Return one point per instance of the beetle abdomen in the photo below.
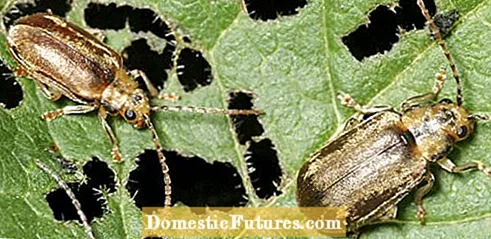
(75, 37)
(57, 62)
(367, 169)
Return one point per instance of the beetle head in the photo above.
(437, 127)
(136, 107)
(454, 120)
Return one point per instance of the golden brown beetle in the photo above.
(375, 162)
(64, 59)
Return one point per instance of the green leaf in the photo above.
(295, 65)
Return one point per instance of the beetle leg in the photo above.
(388, 215)
(19, 71)
(430, 179)
(355, 233)
(114, 141)
(68, 110)
(449, 166)
(391, 214)
(347, 100)
(48, 93)
(154, 92)
(352, 122)
(440, 78)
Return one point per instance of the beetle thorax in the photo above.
(124, 97)
(116, 94)
(437, 127)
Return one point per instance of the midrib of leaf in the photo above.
(398, 75)
(328, 67)
(253, 199)
(122, 211)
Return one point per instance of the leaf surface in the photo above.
(295, 65)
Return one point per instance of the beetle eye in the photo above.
(130, 115)
(462, 131)
(446, 101)
(137, 98)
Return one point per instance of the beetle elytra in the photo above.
(65, 60)
(383, 154)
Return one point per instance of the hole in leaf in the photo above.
(195, 182)
(186, 39)
(10, 89)
(99, 175)
(193, 69)
(17, 11)
(264, 168)
(105, 17)
(147, 20)
(141, 19)
(111, 16)
(271, 9)
(261, 157)
(376, 37)
(384, 26)
(92, 202)
(140, 56)
(146, 184)
(57, 7)
(246, 126)
(211, 184)
(409, 16)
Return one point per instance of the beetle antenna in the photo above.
(162, 159)
(439, 38)
(71, 195)
(476, 117)
(203, 110)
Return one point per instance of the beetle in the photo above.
(65, 60)
(384, 154)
